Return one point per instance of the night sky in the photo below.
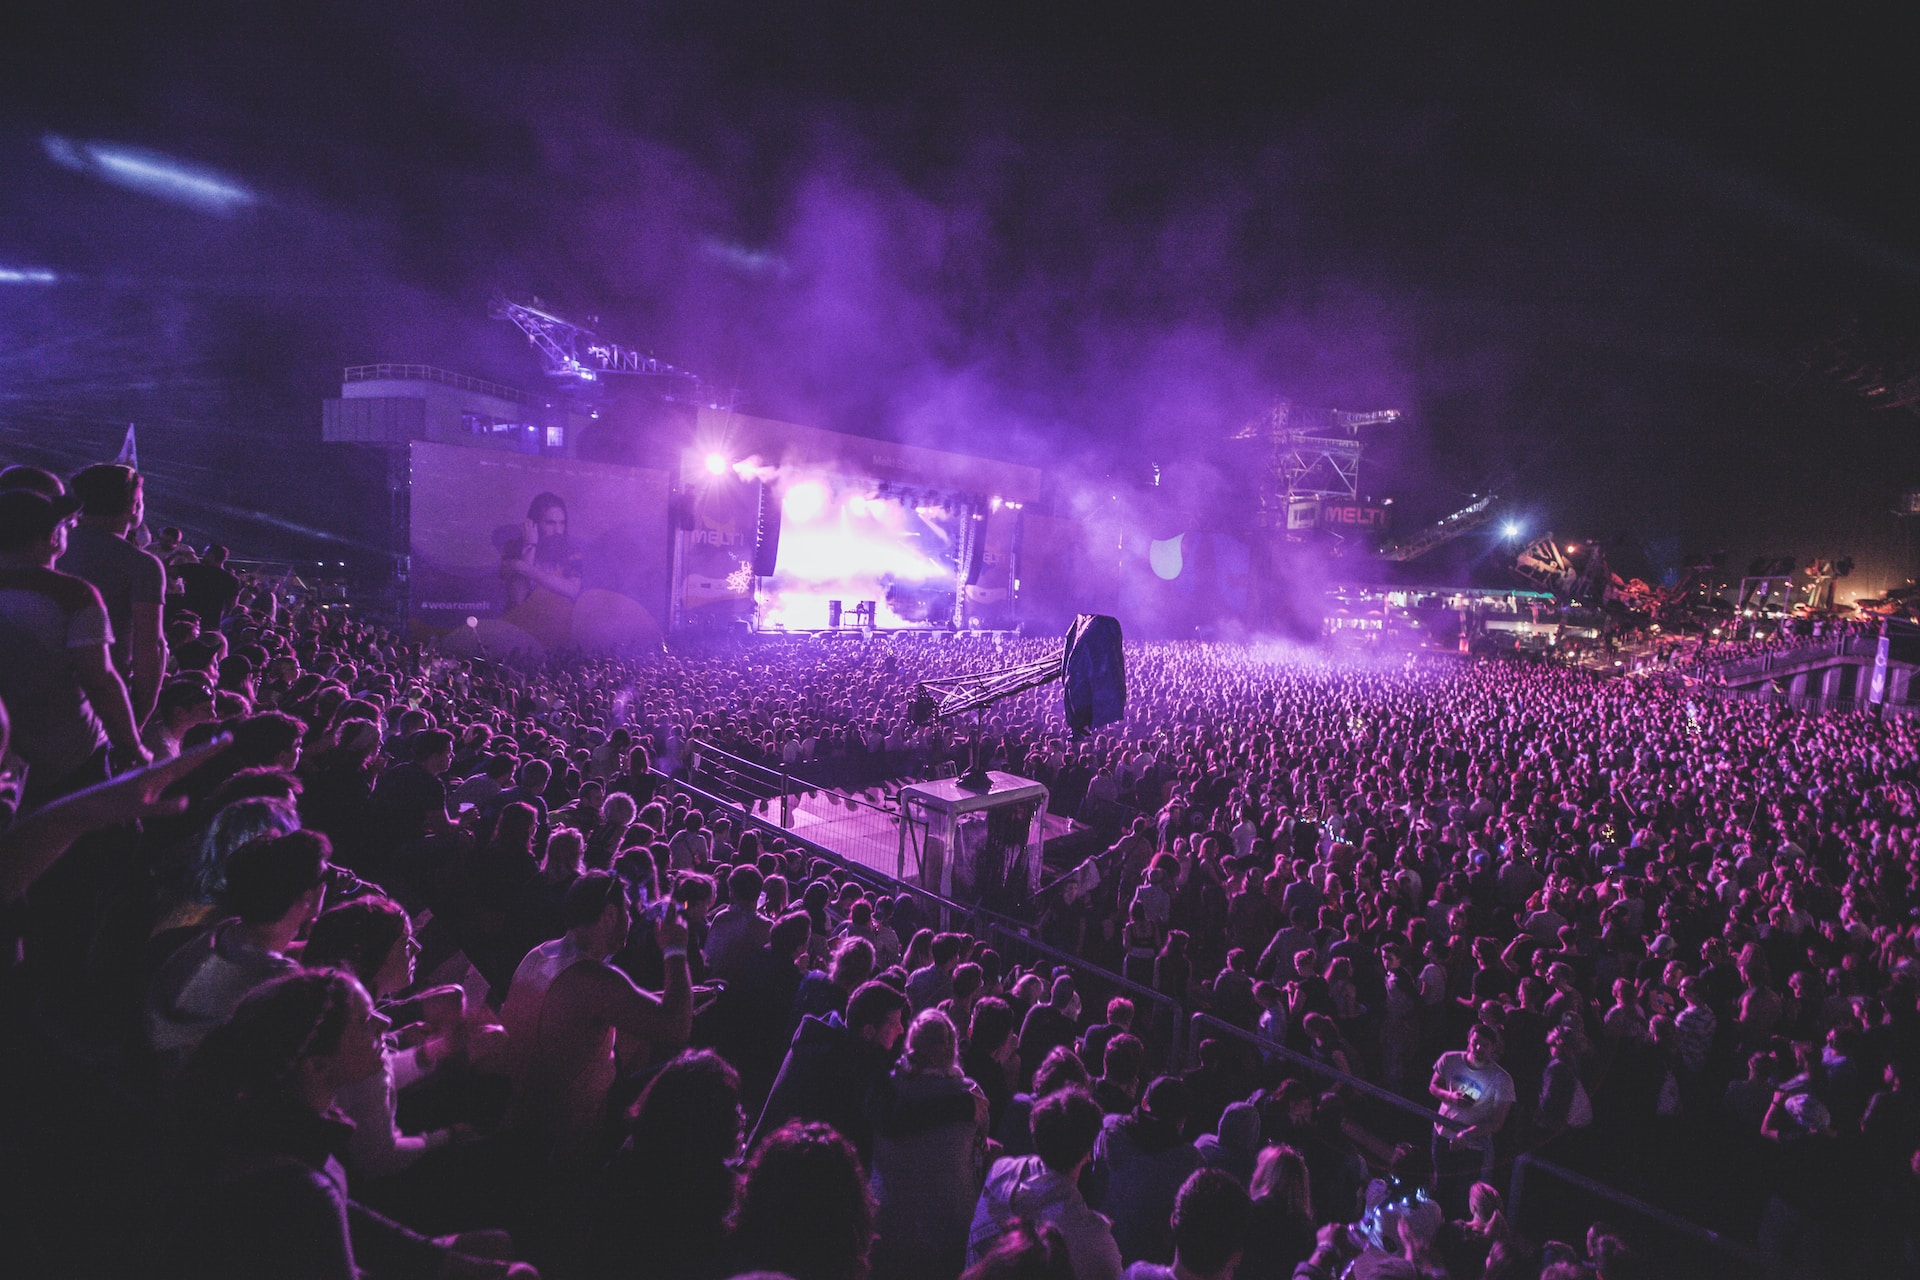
(1599, 258)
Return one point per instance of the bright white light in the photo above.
(994, 503)
(716, 464)
(1511, 529)
(843, 544)
(151, 174)
(805, 501)
(27, 275)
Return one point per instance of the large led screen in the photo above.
(512, 553)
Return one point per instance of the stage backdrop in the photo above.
(523, 553)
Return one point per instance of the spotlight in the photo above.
(805, 502)
(1511, 529)
(151, 174)
(716, 464)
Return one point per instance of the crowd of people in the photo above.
(332, 955)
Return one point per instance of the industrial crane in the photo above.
(1440, 532)
(1312, 454)
(578, 355)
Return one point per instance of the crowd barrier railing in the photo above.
(730, 773)
(735, 777)
(1548, 1201)
(1794, 655)
(1545, 1199)
(1011, 938)
(932, 905)
(1158, 1018)
(1378, 1119)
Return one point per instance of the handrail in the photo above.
(784, 780)
(701, 747)
(433, 373)
(1673, 1222)
(1366, 1088)
(1773, 660)
(1186, 1036)
(1140, 994)
(780, 781)
(1739, 1250)
(988, 922)
(854, 869)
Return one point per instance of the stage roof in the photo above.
(788, 444)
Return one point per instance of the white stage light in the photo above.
(716, 464)
(805, 501)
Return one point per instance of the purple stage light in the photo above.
(27, 275)
(839, 541)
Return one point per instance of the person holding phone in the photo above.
(574, 1020)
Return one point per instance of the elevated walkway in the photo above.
(1826, 675)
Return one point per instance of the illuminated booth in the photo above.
(979, 838)
(970, 845)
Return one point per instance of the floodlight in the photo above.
(716, 464)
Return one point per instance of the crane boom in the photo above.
(1441, 532)
(577, 354)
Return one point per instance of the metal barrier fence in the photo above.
(1547, 1201)
(868, 830)
(1160, 1014)
(1792, 656)
(926, 907)
(1158, 1019)
(742, 782)
(1378, 1119)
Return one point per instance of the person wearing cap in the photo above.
(132, 582)
(572, 1017)
(58, 682)
(1139, 1163)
